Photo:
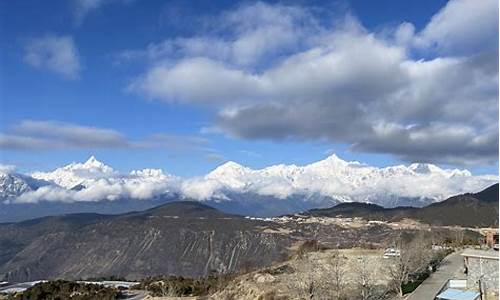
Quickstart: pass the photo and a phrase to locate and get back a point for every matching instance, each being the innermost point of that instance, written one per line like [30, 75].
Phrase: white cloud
[100, 182]
[332, 177]
[30, 135]
[336, 178]
[7, 168]
[343, 85]
[197, 80]
[462, 27]
[72, 134]
[258, 32]
[38, 135]
[55, 53]
[84, 7]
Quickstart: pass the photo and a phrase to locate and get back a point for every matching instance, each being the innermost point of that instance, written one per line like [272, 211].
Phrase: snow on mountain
[13, 185]
[340, 180]
[95, 181]
[331, 178]
[78, 173]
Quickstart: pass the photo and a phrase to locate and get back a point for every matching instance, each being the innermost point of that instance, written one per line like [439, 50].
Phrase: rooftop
[488, 254]
[454, 294]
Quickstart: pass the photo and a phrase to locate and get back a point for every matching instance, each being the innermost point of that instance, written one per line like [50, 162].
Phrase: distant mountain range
[470, 210]
[93, 186]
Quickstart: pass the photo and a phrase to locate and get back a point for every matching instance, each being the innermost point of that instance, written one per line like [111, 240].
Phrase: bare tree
[303, 286]
[364, 280]
[413, 257]
[338, 274]
[311, 278]
[459, 236]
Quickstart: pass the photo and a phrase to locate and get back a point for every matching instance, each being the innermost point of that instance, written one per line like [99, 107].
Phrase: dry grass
[296, 277]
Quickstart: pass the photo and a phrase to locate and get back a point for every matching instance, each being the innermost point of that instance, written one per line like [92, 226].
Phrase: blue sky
[185, 87]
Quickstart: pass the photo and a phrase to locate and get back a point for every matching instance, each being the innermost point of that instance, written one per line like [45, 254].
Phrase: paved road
[451, 267]
[135, 295]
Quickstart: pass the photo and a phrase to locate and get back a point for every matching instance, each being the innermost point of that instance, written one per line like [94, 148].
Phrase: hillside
[188, 238]
[179, 238]
[469, 210]
[184, 238]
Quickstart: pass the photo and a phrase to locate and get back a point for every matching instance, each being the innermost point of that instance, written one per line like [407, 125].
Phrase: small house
[481, 267]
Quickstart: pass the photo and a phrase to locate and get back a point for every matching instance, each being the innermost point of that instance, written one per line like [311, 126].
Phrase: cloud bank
[32, 135]
[282, 73]
[331, 177]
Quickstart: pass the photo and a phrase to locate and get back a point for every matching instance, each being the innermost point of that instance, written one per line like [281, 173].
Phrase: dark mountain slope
[181, 238]
[470, 210]
[363, 210]
[488, 195]
[185, 209]
[464, 210]
[15, 212]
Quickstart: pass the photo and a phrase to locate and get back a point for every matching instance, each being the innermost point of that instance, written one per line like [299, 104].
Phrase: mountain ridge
[470, 209]
[235, 188]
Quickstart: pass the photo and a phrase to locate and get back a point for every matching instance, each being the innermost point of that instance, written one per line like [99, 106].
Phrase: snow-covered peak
[92, 162]
[77, 173]
[457, 172]
[333, 158]
[423, 168]
[14, 184]
[281, 170]
[330, 164]
[430, 169]
[91, 165]
[332, 178]
[152, 175]
[148, 173]
[229, 169]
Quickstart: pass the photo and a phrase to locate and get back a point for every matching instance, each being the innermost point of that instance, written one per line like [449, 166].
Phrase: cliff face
[187, 239]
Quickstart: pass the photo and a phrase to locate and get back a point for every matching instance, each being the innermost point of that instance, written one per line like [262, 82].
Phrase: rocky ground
[313, 273]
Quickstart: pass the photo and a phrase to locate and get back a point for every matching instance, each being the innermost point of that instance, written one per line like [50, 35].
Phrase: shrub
[62, 289]
[310, 246]
[180, 286]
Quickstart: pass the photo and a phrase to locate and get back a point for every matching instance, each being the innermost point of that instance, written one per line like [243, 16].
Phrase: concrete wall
[487, 267]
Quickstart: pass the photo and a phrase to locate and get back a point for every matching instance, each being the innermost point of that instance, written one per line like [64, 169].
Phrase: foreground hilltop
[182, 238]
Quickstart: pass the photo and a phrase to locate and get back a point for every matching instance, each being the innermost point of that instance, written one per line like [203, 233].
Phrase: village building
[481, 267]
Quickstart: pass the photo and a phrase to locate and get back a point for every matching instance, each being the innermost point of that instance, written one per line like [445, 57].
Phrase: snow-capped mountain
[321, 183]
[78, 173]
[12, 185]
[95, 181]
[340, 180]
